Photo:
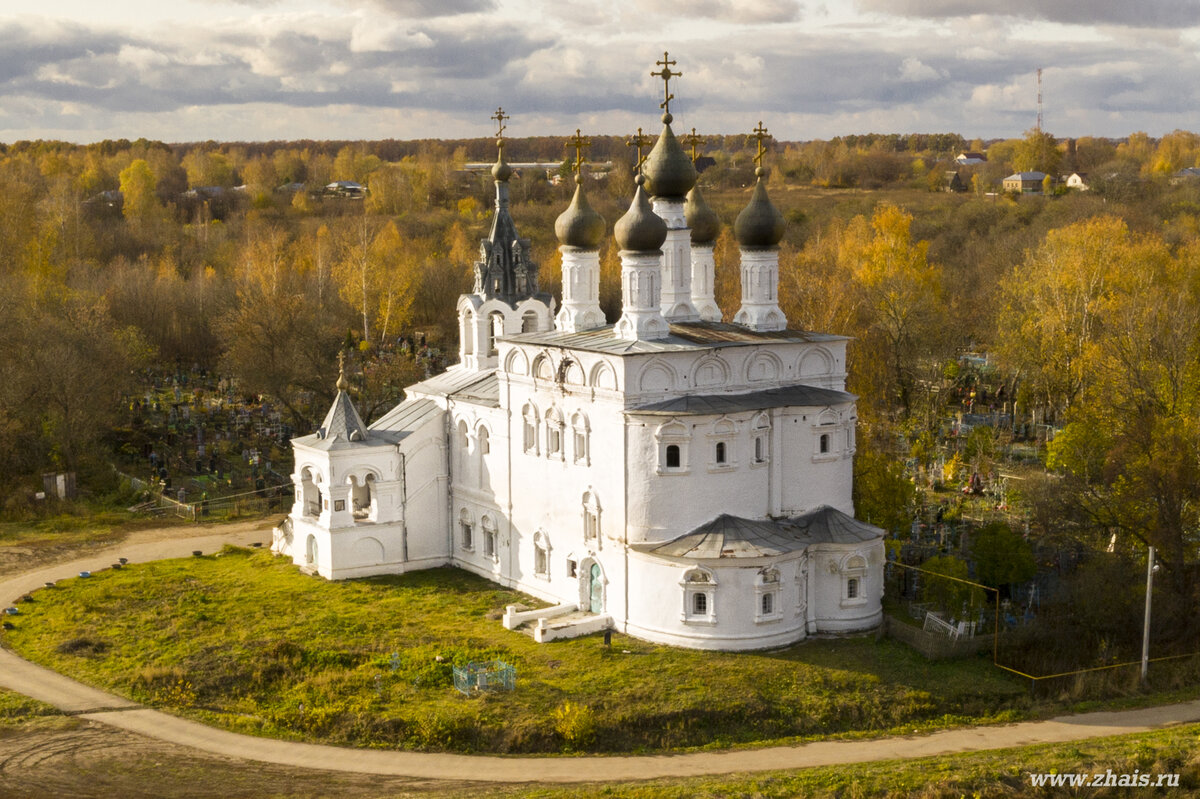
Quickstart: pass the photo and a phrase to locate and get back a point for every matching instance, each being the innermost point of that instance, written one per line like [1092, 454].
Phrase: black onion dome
[579, 226]
[640, 230]
[501, 171]
[702, 219]
[668, 170]
[759, 224]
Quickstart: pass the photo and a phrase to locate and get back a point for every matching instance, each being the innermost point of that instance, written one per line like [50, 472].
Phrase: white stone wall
[664, 610]
[832, 566]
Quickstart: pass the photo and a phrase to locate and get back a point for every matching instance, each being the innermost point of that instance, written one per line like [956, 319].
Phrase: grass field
[245, 641]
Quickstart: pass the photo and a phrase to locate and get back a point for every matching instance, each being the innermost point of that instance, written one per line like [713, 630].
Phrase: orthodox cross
[579, 141]
[666, 75]
[342, 382]
[500, 116]
[760, 133]
[639, 141]
[693, 141]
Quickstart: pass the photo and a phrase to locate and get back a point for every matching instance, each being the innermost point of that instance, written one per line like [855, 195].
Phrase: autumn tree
[138, 183]
[1037, 152]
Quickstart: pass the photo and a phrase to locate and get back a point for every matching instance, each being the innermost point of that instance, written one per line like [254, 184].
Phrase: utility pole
[1146, 626]
[1039, 117]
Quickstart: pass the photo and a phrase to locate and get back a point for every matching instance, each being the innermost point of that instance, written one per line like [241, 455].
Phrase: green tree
[1001, 556]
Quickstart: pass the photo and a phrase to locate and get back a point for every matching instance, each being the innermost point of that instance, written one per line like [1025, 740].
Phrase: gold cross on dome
[694, 141]
[579, 141]
[760, 133]
[639, 141]
[500, 116]
[666, 75]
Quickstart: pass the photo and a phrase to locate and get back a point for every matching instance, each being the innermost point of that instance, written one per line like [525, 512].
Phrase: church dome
[759, 224]
[668, 170]
[579, 226]
[701, 218]
[501, 171]
[640, 230]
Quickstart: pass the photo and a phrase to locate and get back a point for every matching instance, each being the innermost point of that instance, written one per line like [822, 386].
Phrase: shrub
[575, 723]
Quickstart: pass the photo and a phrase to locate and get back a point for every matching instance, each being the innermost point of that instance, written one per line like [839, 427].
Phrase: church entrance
[596, 589]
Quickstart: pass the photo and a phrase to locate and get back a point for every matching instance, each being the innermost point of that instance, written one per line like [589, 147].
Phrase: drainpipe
[403, 506]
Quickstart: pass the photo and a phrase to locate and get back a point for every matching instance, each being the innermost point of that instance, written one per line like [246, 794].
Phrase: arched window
[462, 442]
[529, 322]
[767, 590]
[489, 537]
[467, 333]
[722, 436]
[720, 454]
[554, 434]
[591, 518]
[310, 493]
[541, 555]
[854, 576]
[495, 331]
[530, 439]
[824, 446]
[484, 446]
[761, 431]
[699, 594]
[580, 430]
[672, 439]
[466, 530]
[361, 496]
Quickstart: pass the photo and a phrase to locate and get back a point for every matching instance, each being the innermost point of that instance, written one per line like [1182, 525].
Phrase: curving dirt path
[98, 706]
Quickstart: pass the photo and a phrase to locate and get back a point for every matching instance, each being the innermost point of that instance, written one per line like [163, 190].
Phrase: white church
[667, 475]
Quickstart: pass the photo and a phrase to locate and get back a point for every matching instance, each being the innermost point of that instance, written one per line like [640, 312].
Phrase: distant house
[1186, 174]
[704, 162]
[952, 182]
[1025, 182]
[970, 159]
[347, 189]
[1078, 181]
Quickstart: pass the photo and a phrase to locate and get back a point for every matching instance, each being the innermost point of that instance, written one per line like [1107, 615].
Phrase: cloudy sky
[187, 70]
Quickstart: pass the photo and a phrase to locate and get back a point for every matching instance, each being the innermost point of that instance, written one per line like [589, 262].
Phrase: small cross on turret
[666, 74]
[639, 141]
[694, 141]
[500, 116]
[579, 141]
[760, 133]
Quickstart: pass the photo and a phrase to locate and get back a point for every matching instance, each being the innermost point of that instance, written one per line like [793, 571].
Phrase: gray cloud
[732, 11]
[1143, 14]
[424, 9]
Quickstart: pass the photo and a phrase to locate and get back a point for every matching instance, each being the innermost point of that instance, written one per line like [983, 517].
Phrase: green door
[597, 590]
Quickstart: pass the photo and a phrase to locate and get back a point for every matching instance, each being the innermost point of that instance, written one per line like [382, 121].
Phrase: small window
[824, 443]
[721, 452]
[467, 536]
[539, 561]
[700, 604]
[553, 441]
[489, 544]
[572, 568]
[580, 446]
[758, 449]
[852, 588]
[768, 604]
[672, 456]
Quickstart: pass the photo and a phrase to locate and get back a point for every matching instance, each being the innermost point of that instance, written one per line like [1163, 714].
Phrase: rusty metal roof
[734, 537]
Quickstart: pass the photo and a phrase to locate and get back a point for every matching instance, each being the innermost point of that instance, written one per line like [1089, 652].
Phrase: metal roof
[452, 380]
[682, 337]
[485, 391]
[734, 537]
[342, 428]
[706, 404]
[406, 418]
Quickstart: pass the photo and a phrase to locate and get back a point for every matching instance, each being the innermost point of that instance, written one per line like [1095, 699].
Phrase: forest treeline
[120, 257]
